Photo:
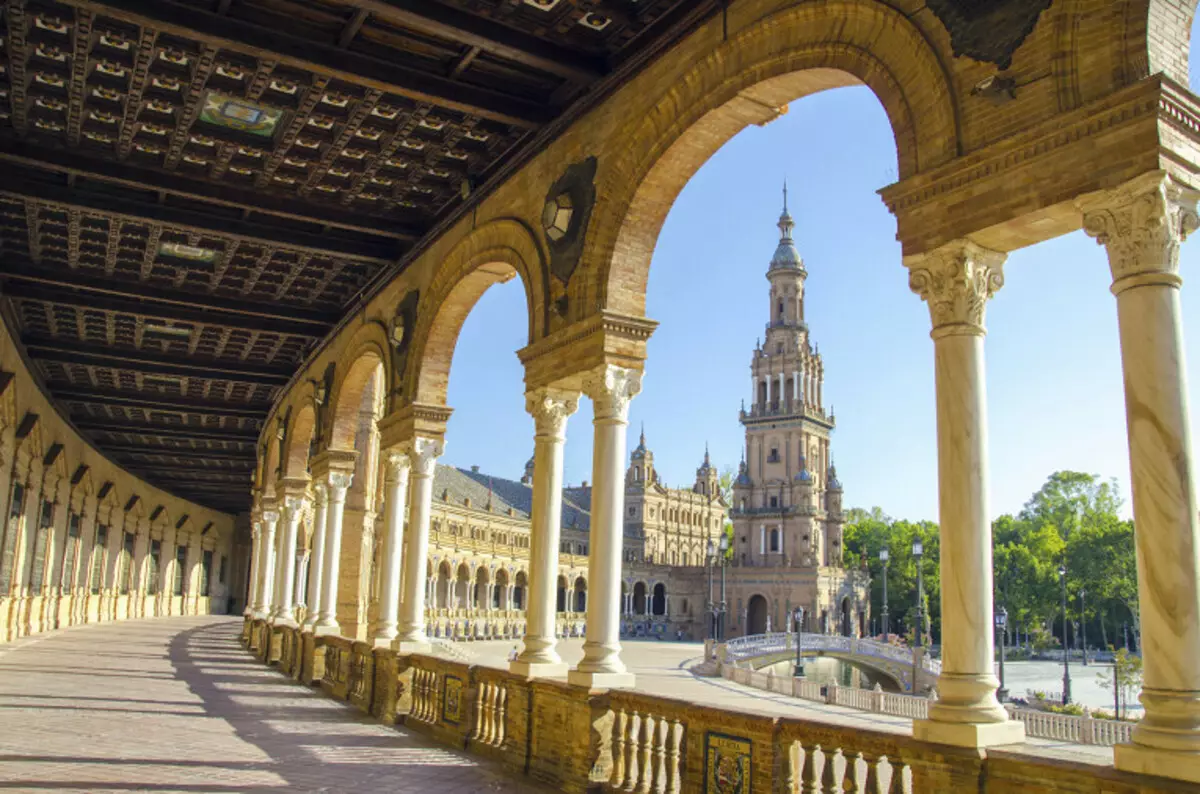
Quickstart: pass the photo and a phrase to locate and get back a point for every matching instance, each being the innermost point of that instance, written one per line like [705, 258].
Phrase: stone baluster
[633, 747]
[337, 483]
[620, 725]
[396, 483]
[611, 389]
[1142, 225]
[956, 281]
[423, 456]
[550, 409]
[814, 764]
[674, 756]
[647, 754]
[660, 756]
[320, 516]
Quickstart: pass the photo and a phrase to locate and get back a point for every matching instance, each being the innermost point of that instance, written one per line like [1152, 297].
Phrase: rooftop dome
[786, 256]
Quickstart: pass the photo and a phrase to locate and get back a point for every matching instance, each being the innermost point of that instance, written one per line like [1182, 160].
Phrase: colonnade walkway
[177, 704]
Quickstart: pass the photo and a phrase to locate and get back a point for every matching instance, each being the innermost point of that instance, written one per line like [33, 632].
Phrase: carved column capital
[611, 388]
[320, 495]
[550, 409]
[398, 465]
[270, 519]
[338, 482]
[956, 280]
[1141, 224]
[424, 453]
[294, 507]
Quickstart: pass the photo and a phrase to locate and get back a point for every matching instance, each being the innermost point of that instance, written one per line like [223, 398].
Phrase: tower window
[774, 501]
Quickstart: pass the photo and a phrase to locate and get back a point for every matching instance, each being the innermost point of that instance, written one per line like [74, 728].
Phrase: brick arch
[490, 254]
[299, 440]
[367, 354]
[774, 60]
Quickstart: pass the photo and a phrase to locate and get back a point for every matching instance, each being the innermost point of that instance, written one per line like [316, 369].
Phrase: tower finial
[706, 453]
[785, 195]
[643, 437]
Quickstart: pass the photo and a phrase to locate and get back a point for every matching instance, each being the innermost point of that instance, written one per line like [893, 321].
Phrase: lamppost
[1001, 620]
[883, 558]
[1083, 623]
[711, 606]
[918, 550]
[798, 616]
[1066, 693]
[716, 557]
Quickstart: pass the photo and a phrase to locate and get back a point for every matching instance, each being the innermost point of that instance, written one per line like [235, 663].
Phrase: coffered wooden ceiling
[195, 192]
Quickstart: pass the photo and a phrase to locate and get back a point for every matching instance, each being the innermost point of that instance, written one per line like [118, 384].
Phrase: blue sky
[1053, 360]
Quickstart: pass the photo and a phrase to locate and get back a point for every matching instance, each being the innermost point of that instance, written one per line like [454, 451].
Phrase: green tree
[1124, 679]
[869, 531]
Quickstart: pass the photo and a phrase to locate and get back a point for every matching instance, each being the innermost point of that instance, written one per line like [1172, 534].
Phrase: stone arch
[368, 355]
[756, 614]
[490, 254]
[299, 441]
[783, 55]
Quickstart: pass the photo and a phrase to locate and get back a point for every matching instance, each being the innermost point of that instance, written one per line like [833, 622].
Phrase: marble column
[1142, 225]
[550, 409]
[337, 483]
[395, 495]
[611, 389]
[254, 601]
[267, 584]
[300, 579]
[956, 281]
[316, 570]
[423, 456]
[285, 609]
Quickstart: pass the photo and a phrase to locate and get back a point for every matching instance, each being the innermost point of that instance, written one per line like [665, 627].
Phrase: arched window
[685, 558]
[775, 539]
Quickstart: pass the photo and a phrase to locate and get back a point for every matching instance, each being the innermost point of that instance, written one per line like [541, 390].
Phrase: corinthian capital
[1142, 224]
[270, 519]
[338, 482]
[550, 409]
[956, 281]
[398, 464]
[424, 455]
[294, 505]
[320, 494]
[611, 388]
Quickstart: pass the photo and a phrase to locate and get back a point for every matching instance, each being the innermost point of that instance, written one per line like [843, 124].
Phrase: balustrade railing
[647, 745]
[491, 713]
[425, 688]
[762, 644]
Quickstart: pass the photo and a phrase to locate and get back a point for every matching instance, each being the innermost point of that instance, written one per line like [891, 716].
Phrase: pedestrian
[512, 655]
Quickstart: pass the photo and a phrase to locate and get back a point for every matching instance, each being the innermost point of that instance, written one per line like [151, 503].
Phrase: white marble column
[1142, 224]
[956, 281]
[253, 605]
[550, 409]
[316, 570]
[301, 580]
[611, 390]
[423, 455]
[266, 585]
[337, 483]
[285, 610]
[395, 495]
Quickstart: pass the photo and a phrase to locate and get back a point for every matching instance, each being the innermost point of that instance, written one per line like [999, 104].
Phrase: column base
[969, 734]
[327, 630]
[538, 670]
[601, 680]
[1142, 760]
[409, 646]
[383, 642]
[284, 622]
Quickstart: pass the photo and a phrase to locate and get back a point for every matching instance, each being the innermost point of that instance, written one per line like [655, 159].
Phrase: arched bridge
[898, 664]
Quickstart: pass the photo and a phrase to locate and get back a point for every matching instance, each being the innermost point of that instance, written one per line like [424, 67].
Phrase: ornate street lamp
[723, 546]
[711, 606]
[918, 551]
[1083, 623]
[1066, 693]
[798, 617]
[883, 558]
[1001, 621]
[716, 557]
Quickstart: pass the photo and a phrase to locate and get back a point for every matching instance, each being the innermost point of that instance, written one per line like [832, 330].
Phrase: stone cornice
[425, 420]
[334, 460]
[604, 337]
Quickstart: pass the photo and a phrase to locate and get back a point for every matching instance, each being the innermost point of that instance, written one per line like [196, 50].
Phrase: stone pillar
[423, 455]
[956, 281]
[611, 389]
[315, 584]
[550, 409]
[396, 482]
[338, 483]
[1142, 224]
[285, 609]
[266, 593]
[301, 579]
[254, 605]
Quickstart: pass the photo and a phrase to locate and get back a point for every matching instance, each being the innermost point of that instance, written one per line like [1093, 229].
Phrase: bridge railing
[742, 648]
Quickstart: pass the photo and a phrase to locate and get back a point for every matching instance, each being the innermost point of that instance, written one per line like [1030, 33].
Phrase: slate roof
[452, 485]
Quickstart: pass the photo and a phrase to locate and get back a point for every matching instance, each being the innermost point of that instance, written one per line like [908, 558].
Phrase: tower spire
[786, 256]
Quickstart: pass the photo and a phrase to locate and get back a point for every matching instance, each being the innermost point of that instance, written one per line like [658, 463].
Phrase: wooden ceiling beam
[255, 202]
[130, 210]
[84, 292]
[68, 352]
[191, 465]
[499, 40]
[153, 401]
[327, 60]
[163, 430]
[172, 452]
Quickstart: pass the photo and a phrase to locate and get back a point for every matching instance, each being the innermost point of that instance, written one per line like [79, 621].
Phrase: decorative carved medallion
[565, 216]
[988, 30]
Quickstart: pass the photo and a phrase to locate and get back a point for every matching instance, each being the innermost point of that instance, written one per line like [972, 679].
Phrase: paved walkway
[176, 704]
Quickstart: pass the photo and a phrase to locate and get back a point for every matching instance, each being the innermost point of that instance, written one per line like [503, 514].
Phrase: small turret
[641, 464]
[707, 480]
[527, 477]
[833, 492]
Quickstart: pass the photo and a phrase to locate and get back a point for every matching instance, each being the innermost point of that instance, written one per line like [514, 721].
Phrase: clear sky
[1053, 362]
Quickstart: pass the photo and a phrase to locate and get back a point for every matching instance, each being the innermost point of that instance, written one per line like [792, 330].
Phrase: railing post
[1086, 727]
[831, 694]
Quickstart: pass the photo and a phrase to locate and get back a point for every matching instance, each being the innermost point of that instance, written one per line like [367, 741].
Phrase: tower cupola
[786, 256]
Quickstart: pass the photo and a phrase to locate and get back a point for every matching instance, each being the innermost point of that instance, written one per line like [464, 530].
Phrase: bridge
[896, 663]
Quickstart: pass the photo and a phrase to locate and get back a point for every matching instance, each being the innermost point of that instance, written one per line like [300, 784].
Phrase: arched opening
[462, 587]
[580, 595]
[756, 615]
[500, 593]
[639, 598]
[658, 605]
[482, 580]
[561, 600]
[443, 588]
[520, 581]
[847, 627]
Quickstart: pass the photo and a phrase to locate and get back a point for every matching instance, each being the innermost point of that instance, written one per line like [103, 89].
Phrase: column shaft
[611, 390]
[316, 570]
[285, 609]
[267, 583]
[396, 495]
[337, 484]
[423, 455]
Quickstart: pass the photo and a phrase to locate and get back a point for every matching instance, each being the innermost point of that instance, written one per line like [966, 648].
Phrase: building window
[126, 572]
[10, 531]
[180, 562]
[152, 568]
[775, 540]
[206, 561]
[774, 501]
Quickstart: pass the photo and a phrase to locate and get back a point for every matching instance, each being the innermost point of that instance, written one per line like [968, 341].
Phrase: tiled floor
[176, 704]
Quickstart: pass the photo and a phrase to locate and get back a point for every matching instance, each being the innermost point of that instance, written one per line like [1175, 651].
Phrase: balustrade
[491, 713]
[647, 747]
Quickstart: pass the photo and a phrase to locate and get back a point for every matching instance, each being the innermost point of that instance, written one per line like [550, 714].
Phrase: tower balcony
[786, 409]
